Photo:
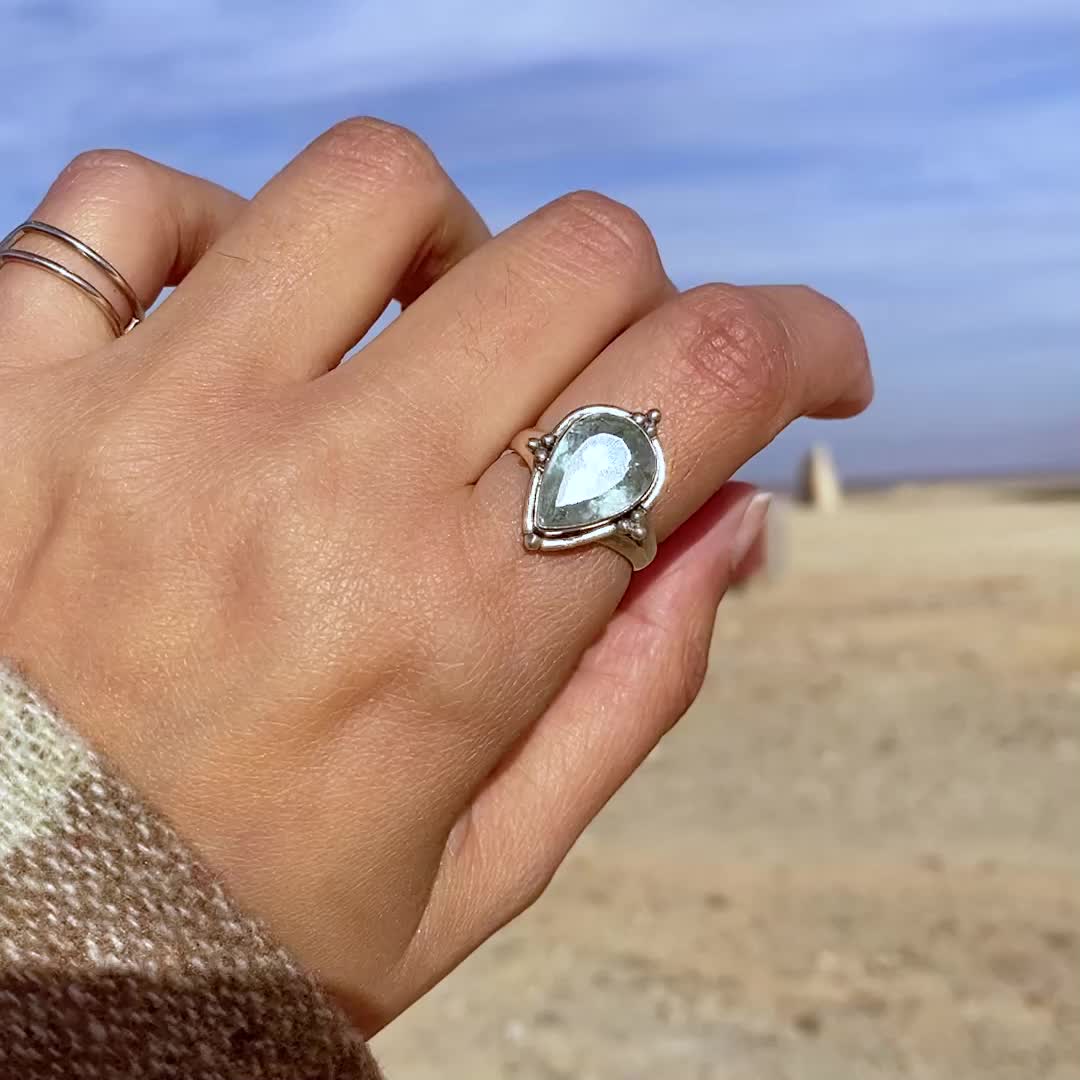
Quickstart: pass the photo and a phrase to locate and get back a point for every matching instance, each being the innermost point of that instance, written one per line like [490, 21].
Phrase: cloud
[919, 161]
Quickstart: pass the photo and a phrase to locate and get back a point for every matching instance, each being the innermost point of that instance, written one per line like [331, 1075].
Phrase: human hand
[289, 599]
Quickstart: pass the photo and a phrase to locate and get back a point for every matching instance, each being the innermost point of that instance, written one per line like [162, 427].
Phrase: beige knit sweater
[120, 956]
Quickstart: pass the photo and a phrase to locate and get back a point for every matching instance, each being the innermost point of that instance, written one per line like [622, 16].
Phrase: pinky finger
[632, 685]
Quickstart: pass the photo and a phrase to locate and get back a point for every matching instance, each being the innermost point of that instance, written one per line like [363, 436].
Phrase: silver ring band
[595, 476]
[9, 253]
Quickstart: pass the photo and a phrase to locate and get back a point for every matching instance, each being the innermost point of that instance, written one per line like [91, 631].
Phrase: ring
[10, 253]
[594, 477]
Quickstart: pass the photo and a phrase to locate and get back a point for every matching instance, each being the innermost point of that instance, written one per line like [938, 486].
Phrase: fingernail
[753, 521]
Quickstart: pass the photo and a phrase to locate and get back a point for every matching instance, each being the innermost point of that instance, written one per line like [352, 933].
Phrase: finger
[363, 215]
[631, 686]
[151, 222]
[729, 368]
[485, 350]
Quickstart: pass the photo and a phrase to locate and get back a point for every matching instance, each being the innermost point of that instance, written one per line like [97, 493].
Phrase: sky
[919, 160]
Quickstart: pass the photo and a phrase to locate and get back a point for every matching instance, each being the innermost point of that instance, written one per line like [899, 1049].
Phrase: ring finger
[151, 222]
[728, 368]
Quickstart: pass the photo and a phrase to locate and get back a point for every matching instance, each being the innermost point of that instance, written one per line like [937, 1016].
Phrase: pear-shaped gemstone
[602, 465]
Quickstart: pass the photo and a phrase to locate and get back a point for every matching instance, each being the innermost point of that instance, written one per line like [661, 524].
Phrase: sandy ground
[858, 856]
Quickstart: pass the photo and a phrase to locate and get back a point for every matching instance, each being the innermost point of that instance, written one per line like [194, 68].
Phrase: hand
[289, 599]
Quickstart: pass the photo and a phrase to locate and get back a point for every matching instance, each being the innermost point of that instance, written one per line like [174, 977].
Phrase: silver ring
[594, 477]
[9, 253]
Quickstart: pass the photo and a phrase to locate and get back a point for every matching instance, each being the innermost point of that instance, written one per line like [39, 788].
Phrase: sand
[857, 857]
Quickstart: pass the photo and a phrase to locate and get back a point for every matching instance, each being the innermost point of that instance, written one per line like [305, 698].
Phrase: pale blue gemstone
[600, 468]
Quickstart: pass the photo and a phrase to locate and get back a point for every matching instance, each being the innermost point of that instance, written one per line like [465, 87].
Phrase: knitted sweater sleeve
[120, 956]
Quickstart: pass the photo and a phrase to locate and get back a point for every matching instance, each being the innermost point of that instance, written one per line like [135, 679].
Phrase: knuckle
[530, 883]
[734, 348]
[612, 230]
[815, 296]
[691, 673]
[97, 168]
[379, 152]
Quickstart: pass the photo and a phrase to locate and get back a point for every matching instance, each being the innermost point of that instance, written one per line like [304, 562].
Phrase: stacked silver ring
[10, 253]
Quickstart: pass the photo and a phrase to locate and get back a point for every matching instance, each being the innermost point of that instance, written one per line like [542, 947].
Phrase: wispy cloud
[919, 161]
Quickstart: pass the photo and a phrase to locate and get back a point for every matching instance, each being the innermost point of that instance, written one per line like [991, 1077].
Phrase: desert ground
[857, 857]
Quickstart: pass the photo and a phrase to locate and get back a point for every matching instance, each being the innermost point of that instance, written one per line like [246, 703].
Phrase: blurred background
[860, 855]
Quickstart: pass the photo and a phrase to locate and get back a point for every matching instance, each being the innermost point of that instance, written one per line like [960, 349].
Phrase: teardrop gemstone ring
[594, 477]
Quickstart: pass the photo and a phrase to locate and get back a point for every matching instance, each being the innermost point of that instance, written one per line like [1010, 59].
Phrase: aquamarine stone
[599, 469]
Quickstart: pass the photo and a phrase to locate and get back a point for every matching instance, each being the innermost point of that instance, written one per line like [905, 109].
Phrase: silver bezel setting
[630, 526]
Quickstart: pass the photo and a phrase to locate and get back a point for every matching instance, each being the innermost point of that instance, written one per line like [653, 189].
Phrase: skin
[289, 600]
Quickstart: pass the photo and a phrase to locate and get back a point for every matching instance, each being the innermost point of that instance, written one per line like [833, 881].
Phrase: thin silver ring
[8, 252]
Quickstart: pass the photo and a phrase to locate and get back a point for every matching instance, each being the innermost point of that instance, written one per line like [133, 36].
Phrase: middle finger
[484, 350]
[363, 215]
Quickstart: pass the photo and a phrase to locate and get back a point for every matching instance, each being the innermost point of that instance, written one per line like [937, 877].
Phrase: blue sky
[918, 160]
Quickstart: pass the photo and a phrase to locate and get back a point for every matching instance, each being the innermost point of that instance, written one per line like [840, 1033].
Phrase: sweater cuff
[121, 956]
